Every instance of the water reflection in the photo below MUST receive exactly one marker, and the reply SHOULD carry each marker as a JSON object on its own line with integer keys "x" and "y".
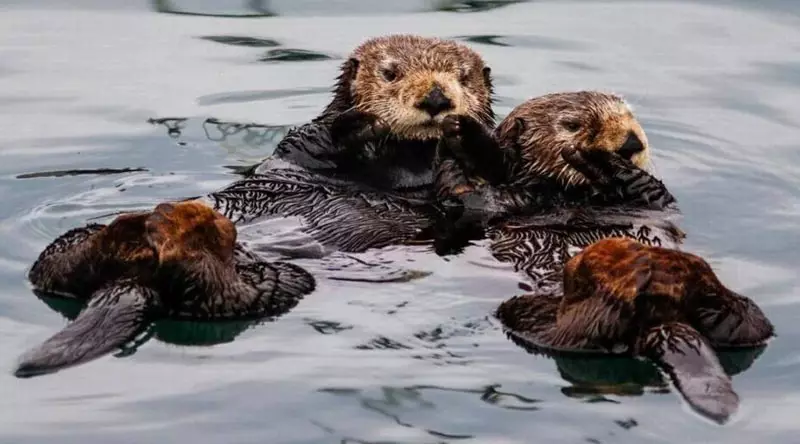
{"x": 472, "y": 5}
{"x": 595, "y": 376}
{"x": 293, "y": 55}
{"x": 175, "y": 332}
{"x": 251, "y": 42}
{"x": 252, "y": 8}
{"x": 79, "y": 172}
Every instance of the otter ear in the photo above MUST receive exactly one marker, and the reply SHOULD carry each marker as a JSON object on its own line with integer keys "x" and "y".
{"x": 487, "y": 76}
{"x": 514, "y": 131}
{"x": 343, "y": 91}
{"x": 349, "y": 71}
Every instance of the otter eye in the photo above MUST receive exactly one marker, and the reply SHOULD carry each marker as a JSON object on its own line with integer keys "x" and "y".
{"x": 390, "y": 74}
{"x": 571, "y": 125}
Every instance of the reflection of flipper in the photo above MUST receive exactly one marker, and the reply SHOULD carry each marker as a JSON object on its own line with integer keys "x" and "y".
{"x": 114, "y": 316}
{"x": 593, "y": 374}
{"x": 692, "y": 365}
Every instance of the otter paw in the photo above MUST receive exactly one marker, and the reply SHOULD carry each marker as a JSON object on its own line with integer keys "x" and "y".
{"x": 186, "y": 230}
{"x": 356, "y": 126}
{"x": 592, "y": 164}
{"x": 451, "y": 126}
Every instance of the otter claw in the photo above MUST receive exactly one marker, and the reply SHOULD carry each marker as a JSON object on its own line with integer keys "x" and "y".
{"x": 451, "y": 126}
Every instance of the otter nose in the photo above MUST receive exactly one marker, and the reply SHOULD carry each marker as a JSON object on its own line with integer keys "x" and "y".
{"x": 435, "y": 102}
{"x": 631, "y": 146}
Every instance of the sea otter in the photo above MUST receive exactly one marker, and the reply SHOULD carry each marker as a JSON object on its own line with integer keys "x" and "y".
{"x": 180, "y": 261}
{"x": 622, "y": 297}
{"x": 566, "y": 174}
{"x": 558, "y": 173}
{"x": 360, "y": 175}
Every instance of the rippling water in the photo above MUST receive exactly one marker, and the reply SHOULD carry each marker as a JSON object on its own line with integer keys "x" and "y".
{"x": 110, "y": 106}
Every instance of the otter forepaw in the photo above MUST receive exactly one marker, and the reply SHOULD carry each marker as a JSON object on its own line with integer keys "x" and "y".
{"x": 185, "y": 230}
{"x": 356, "y": 126}
{"x": 451, "y": 126}
{"x": 592, "y": 164}
{"x": 457, "y": 128}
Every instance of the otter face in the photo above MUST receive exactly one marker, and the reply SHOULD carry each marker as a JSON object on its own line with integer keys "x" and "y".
{"x": 542, "y": 127}
{"x": 411, "y": 83}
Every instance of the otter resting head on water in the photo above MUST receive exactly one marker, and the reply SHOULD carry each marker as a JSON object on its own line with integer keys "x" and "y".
{"x": 572, "y": 148}
{"x": 179, "y": 261}
{"x": 621, "y": 296}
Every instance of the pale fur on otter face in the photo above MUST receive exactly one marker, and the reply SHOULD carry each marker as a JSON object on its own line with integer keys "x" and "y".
{"x": 542, "y": 127}
{"x": 389, "y": 76}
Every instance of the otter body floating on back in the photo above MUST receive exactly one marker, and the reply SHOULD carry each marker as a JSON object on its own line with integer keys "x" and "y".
{"x": 567, "y": 188}
{"x": 622, "y": 297}
{"x": 181, "y": 262}
{"x": 360, "y": 175}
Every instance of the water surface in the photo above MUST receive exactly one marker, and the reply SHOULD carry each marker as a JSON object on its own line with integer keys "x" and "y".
{"x": 716, "y": 85}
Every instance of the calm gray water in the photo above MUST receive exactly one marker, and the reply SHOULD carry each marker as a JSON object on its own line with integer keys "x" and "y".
{"x": 716, "y": 85}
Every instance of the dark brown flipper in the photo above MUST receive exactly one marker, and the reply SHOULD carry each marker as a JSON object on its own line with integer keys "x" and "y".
{"x": 94, "y": 263}
{"x": 114, "y": 316}
{"x": 726, "y": 318}
{"x": 82, "y": 260}
{"x": 692, "y": 365}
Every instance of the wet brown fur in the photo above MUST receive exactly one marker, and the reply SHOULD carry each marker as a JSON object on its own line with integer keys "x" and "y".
{"x": 134, "y": 245}
{"x": 617, "y": 289}
{"x": 418, "y": 63}
{"x": 186, "y": 230}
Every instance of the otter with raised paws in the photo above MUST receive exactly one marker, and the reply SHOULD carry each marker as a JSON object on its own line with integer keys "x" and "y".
{"x": 571, "y": 149}
{"x": 180, "y": 261}
{"x": 622, "y": 297}
{"x": 559, "y": 172}
{"x": 361, "y": 174}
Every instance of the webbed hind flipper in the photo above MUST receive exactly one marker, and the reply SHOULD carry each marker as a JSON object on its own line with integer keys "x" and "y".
{"x": 84, "y": 259}
{"x": 726, "y": 318}
{"x": 114, "y": 315}
{"x": 692, "y": 365}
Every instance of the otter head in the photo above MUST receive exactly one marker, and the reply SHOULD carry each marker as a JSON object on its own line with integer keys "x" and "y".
{"x": 411, "y": 83}
{"x": 541, "y": 128}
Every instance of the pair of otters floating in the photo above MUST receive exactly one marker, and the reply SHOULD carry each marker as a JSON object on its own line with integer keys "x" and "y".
{"x": 407, "y": 153}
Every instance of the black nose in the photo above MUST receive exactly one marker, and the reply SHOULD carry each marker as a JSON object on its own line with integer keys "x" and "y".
{"x": 631, "y": 146}
{"x": 435, "y": 102}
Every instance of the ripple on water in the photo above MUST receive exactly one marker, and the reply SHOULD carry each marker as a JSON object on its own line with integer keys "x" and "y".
{"x": 405, "y": 362}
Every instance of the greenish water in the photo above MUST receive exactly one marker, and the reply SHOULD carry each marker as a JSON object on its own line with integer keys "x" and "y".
{"x": 716, "y": 85}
